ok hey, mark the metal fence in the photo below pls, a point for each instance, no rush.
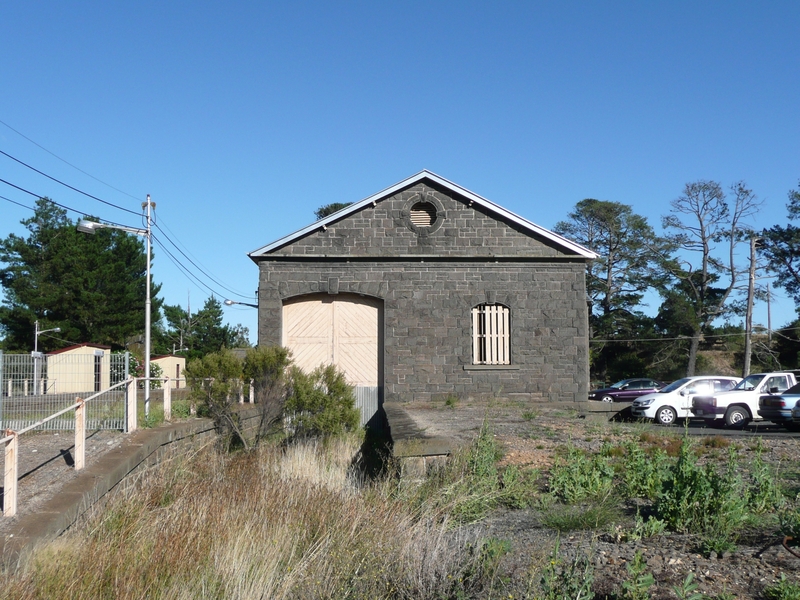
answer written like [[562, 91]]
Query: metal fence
[[368, 401], [36, 386]]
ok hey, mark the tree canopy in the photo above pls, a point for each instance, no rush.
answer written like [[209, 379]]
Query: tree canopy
[[780, 245], [200, 333], [91, 286], [702, 217], [329, 209]]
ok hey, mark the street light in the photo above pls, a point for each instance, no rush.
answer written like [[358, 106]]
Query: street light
[[37, 356], [91, 227], [232, 302], [37, 332]]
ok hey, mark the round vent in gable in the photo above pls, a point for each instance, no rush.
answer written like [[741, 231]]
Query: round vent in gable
[[423, 214]]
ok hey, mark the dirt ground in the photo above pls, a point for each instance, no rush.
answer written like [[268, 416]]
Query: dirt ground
[[530, 437]]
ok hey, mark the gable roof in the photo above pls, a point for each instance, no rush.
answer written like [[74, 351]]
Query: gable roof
[[78, 346], [441, 181]]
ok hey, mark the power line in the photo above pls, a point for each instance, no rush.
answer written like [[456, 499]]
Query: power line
[[685, 337], [185, 270], [40, 197], [17, 203], [67, 185], [200, 269], [66, 162]]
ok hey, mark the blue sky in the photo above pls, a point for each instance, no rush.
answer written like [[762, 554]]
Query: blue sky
[[241, 118]]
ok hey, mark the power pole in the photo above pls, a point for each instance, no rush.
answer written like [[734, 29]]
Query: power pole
[[748, 326], [769, 317]]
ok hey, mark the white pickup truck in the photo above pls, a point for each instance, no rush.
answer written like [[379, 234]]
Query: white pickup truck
[[740, 405]]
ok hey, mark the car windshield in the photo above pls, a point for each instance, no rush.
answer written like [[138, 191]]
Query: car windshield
[[675, 385], [749, 382], [619, 384]]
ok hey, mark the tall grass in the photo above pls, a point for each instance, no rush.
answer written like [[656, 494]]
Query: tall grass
[[270, 523]]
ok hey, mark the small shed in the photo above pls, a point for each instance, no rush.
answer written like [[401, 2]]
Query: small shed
[[427, 290], [172, 366], [81, 368]]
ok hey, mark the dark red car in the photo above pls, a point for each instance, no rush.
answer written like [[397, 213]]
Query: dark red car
[[626, 390]]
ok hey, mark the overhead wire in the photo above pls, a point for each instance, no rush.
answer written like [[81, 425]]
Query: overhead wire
[[39, 196], [212, 278], [22, 135], [173, 242], [184, 269], [17, 203], [88, 195]]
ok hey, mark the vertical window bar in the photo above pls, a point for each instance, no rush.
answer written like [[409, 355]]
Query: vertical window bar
[[491, 334], [506, 336]]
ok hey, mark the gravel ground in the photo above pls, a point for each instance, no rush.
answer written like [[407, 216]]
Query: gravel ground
[[46, 465], [529, 437]]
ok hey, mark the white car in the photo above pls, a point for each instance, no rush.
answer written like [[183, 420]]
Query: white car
[[675, 400]]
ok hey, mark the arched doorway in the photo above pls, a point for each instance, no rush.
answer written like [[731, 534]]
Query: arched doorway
[[342, 329]]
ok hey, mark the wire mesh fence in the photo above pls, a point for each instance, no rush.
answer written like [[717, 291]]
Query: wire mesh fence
[[37, 385]]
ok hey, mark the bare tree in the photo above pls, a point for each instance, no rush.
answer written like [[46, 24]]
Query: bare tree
[[708, 226]]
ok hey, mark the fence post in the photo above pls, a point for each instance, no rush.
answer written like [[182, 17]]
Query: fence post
[[2, 375], [10, 480], [252, 391], [241, 392], [80, 434], [130, 404], [167, 399]]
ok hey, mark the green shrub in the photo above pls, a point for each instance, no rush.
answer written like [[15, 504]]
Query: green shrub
[[577, 476], [573, 580], [181, 409], [581, 517], [518, 487], [641, 581], [646, 528], [266, 367], [216, 382], [783, 590], [701, 499], [686, 591], [763, 494], [789, 519], [644, 474], [320, 403], [470, 483]]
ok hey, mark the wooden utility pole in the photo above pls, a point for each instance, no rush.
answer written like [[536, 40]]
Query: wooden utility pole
[[748, 324]]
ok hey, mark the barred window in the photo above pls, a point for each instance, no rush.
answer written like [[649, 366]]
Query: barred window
[[491, 335]]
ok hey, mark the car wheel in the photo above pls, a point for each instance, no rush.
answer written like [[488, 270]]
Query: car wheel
[[737, 417], [666, 415], [607, 399]]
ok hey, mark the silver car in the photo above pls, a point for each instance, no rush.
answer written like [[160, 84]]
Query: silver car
[[796, 416]]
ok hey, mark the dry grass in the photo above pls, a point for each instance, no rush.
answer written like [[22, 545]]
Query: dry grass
[[271, 523]]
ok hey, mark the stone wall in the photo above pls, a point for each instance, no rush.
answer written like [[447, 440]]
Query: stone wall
[[427, 326]]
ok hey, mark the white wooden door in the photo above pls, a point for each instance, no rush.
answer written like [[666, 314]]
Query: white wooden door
[[342, 330]]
